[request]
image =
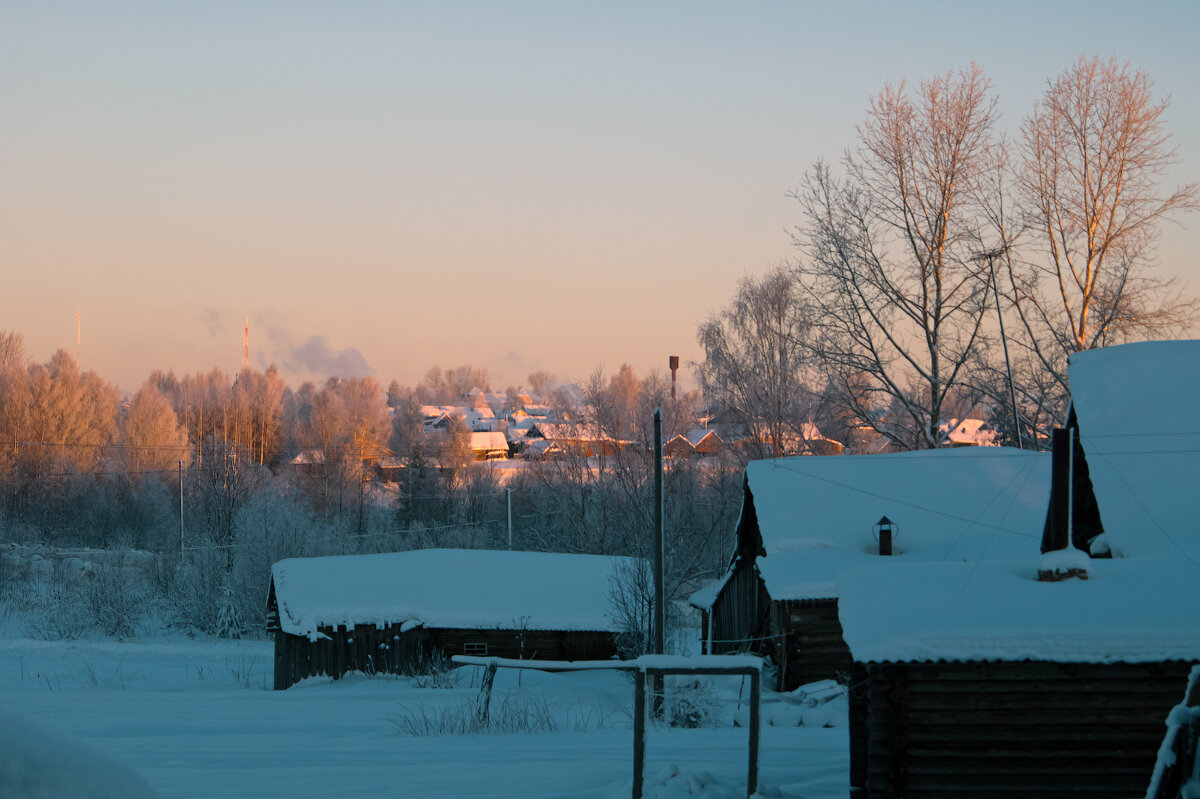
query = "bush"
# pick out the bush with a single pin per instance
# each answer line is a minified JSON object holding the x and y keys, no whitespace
{"x":692,"y":705}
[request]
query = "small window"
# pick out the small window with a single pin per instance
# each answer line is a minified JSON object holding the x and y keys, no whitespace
{"x":479,"y":650}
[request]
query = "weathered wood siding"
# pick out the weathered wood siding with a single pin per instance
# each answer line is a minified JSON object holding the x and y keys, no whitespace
{"x":739,"y":615}
{"x":386,"y":649}
{"x":992,"y":730}
{"x":808,"y":643}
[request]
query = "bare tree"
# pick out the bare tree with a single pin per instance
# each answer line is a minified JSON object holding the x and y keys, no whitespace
{"x":1094,"y":150}
{"x":755,"y":357}
{"x":897,"y":297}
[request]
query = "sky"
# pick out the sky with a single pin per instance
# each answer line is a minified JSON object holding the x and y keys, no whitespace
{"x":520,"y":186}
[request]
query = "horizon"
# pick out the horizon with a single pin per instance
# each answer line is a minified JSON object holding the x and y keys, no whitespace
{"x":383,"y":189}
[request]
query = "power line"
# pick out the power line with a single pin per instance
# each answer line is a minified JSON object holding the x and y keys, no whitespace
{"x":905,"y":503}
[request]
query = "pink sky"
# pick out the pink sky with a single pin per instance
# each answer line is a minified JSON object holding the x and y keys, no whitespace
{"x":384,"y":187}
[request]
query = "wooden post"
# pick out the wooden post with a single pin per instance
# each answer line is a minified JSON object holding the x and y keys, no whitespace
{"x":639,"y":732}
{"x":755,"y":722}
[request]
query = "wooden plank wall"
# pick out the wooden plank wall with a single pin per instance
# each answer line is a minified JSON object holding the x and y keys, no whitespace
{"x":809,"y":644}
{"x":992,"y":730}
{"x":739,"y":614}
{"x":385,"y":649}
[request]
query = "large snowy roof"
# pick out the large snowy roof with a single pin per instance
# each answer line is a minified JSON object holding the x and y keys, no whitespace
{"x":447,"y":588}
{"x":1132,"y":611}
{"x":817,"y":514}
{"x":1139,"y":422}
{"x":1139,"y":419}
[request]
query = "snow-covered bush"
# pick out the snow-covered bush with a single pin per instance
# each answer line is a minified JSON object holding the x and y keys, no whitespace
{"x":692,"y":704}
{"x":115,"y":600}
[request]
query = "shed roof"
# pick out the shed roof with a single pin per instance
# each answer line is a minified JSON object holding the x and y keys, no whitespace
{"x":816,"y":515}
{"x":447,"y":588}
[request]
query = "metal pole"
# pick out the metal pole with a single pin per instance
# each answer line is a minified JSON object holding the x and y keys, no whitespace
{"x":1012,"y":391}
{"x":659,"y":601}
{"x":508,"y":492}
{"x":181,"y":509}
{"x":659,"y":592}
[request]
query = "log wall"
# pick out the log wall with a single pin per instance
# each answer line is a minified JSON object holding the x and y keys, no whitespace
{"x":386,"y":649}
{"x":808,"y":642}
{"x":992,"y":730}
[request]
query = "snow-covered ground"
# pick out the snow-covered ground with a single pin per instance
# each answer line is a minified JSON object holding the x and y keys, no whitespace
{"x":195,"y":718}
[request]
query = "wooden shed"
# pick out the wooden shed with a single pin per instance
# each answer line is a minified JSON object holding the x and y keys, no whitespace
{"x":976,"y":680}
{"x":390,"y":612}
{"x":805,"y":520}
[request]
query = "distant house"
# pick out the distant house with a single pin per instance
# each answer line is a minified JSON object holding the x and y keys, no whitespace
{"x":700,"y":442}
{"x":967,"y":433}
{"x":806,"y":520}
{"x":540,"y":449}
{"x":310,"y":462}
{"x":587,"y":440}
{"x":1046,"y":674}
{"x":389,"y":612}
{"x":678,"y":446}
{"x":389,"y":469}
{"x":705,"y":442}
{"x":489,"y":446}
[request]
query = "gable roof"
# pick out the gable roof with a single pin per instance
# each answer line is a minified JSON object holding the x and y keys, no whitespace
{"x":447,"y":588}
{"x":1138,"y":407}
{"x":816,"y":515}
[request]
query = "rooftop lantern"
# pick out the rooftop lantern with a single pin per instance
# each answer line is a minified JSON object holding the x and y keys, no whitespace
{"x":884,"y":530}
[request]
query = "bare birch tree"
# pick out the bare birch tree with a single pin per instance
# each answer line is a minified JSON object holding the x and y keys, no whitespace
{"x":1094,"y":151}
{"x":898,"y":298}
{"x":755,"y":357}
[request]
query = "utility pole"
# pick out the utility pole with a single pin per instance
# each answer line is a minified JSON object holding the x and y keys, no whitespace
{"x":508,"y":494}
{"x":659,"y":592}
{"x":181,"y":510}
{"x":1012,"y":391}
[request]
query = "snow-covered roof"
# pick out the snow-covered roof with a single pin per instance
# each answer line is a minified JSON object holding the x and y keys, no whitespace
{"x":1139,"y":422}
{"x":968,"y":432}
{"x":694,"y":437}
{"x":489,"y":440}
{"x":816,"y":515}
{"x":1138,"y":406}
{"x":447,"y":588}
{"x":1130,"y":611}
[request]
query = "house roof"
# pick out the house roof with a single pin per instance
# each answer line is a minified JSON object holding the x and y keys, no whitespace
{"x":1138,"y":407}
{"x":1129,"y":611}
{"x":968,"y":432}
{"x":489,"y":440}
{"x":816,"y":515}
{"x":447,"y":588}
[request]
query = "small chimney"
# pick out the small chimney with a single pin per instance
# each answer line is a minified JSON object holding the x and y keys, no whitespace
{"x":884,"y":530}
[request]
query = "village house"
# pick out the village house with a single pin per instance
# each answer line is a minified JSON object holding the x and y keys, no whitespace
{"x":1046,"y":674}
{"x":805,"y":520}
{"x":393,"y":612}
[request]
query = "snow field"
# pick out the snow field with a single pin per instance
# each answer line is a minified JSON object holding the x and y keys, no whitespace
{"x":194,"y":718}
